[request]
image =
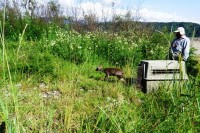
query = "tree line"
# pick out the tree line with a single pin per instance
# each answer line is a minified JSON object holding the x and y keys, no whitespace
{"x":191,"y":29}
{"x":14,"y":15}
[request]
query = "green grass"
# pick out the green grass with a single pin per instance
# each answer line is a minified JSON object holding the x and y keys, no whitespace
{"x":51,"y":85}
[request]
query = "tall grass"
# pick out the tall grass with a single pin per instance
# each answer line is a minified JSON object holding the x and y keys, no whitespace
{"x":51,"y":85}
{"x":12,"y":124}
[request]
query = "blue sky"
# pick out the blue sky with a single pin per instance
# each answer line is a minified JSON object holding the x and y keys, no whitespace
{"x":186,"y":10}
{"x":147,"y":10}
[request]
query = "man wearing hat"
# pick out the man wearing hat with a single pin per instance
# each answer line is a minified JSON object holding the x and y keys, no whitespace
{"x":180,"y":46}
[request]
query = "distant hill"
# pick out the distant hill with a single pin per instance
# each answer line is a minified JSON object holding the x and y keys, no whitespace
{"x":191,"y":29}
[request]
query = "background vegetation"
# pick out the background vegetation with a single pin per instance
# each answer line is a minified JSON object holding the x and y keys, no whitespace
{"x":49,"y":83}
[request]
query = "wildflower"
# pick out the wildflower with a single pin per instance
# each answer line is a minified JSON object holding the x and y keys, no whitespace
{"x":53,"y":43}
{"x":79,"y":47}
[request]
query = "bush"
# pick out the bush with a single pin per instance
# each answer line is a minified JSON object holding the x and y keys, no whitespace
{"x":193,"y":64}
{"x":32,"y":58}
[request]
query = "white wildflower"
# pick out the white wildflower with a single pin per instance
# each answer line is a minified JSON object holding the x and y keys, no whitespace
{"x":53,"y":43}
{"x":79,"y":47}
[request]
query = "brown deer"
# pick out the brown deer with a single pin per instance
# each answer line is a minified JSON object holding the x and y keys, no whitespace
{"x":111,"y":72}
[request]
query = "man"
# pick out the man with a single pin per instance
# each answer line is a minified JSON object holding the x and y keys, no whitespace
{"x":180,"y":46}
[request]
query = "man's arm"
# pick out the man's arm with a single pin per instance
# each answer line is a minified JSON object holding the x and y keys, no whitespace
{"x":186,"y":49}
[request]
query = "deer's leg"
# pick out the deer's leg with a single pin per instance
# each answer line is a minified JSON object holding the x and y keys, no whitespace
{"x":120,"y":77}
{"x":106,"y":77}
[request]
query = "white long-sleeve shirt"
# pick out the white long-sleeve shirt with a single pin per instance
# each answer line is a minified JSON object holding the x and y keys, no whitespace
{"x":181,"y":45}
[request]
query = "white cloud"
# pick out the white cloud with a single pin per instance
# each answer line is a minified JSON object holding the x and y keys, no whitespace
{"x":157,"y":16}
{"x":65,"y":3}
{"x":100,"y":9}
{"x":151,"y":15}
{"x":110,"y":2}
{"x":104,"y":9}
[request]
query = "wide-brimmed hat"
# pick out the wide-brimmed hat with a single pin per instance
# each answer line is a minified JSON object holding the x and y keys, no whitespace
{"x":181,"y":30}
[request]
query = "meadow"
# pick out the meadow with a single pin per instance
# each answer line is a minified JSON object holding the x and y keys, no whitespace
{"x":50,"y":85}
